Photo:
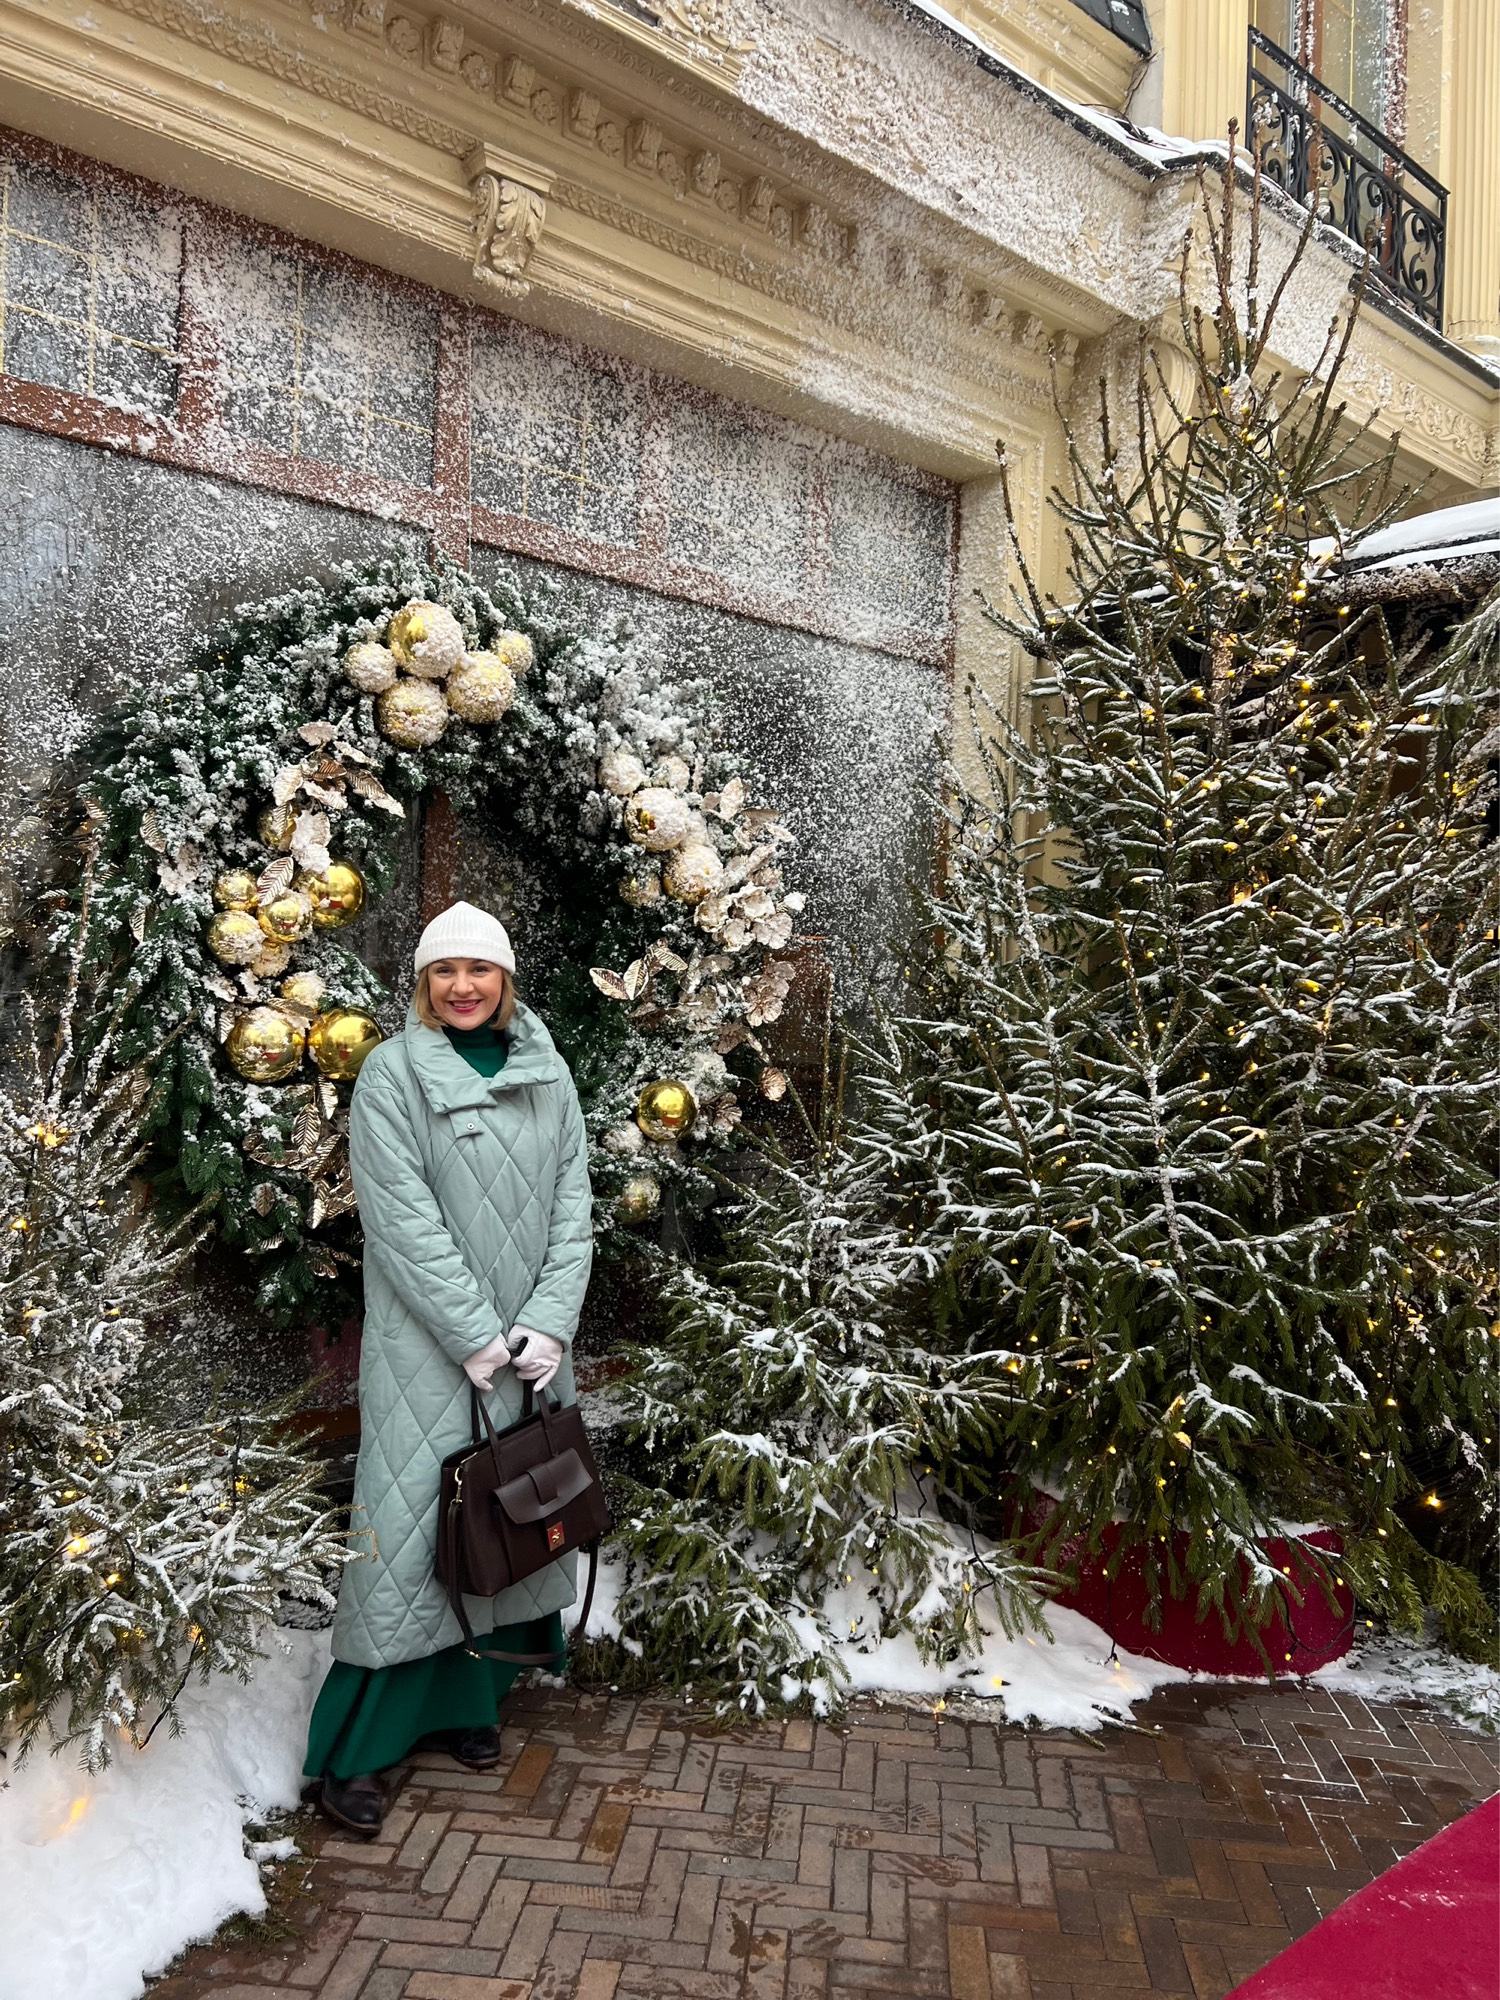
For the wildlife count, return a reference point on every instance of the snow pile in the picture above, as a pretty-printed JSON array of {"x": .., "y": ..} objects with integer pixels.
[
  {"x": 1065, "y": 1677},
  {"x": 1390, "y": 1668},
  {"x": 105, "y": 1878}
]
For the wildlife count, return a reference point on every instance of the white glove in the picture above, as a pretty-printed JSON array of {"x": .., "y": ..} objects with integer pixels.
[
  {"x": 480, "y": 1368},
  {"x": 541, "y": 1358}
]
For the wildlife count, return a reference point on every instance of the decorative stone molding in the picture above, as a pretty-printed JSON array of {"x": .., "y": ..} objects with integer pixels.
[
  {"x": 510, "y": 209},
  {"x": 445, "y": 45},
  {"x": 705, "y": 25},
  {"x": 367, "y": 17},
  {"x": 902, "y": 280},
  {"x": 583, "y": 117},
  {"x": 404, "y": 37}
]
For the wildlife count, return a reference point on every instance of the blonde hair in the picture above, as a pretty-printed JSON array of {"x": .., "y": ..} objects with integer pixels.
[{"x": 428, "y": 1015}]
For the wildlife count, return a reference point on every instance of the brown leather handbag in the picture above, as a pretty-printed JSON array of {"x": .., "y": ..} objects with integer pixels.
[{"x": 513, "y": 1501}]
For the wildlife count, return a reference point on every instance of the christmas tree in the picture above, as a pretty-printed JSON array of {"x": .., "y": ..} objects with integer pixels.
[
  {"x": 145, "y": 1532},
  {"x": 799, "y": 1439},
  {"x": 1167, "y": 1189},
  {"x": 1202, "y": 1061}
]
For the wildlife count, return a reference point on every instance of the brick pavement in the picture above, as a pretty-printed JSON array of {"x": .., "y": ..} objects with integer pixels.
[{"x": 624, "y": 1851}]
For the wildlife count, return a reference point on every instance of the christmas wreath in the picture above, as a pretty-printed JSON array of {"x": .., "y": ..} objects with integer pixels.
[{"x": 249, "y": 812}]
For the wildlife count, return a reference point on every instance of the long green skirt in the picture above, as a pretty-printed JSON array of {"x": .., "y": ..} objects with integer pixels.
[{"x": 366, "y": 1718}]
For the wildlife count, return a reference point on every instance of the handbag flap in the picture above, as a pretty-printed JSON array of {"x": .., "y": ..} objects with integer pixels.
[{"x": 546, "y": 1488}]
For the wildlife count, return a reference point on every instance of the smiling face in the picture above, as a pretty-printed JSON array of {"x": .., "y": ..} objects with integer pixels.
[{"x": 465, "y": 992}]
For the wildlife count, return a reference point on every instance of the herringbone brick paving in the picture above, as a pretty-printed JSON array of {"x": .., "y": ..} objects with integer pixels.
[{"x": 625, "y": 1851}]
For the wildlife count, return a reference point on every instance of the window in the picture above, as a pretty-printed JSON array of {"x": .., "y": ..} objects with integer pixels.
[
  {"x": 1326, "y": 103},
  {"x": 1127, "y": 18},
  {"x": 1355, "y": 47}
]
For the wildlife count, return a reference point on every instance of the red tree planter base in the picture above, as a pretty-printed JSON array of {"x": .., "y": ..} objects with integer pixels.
[{"x": 1303, "y": 1633}]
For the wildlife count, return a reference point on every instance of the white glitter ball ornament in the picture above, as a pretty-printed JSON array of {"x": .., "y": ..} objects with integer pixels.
[
  {"x": 412, "y": 714},
  {"x": 657, "y": 819},
  {"x": 426, "y": 639},
  {"x": 370, "y": 667},
  {"x": 621, "y": 772},
  {"x": 674, "y": 772},
  {"x": 692, "y": 872},
  {"x": 623, "y": 1140},
  {"x": 482, "y": 689}
]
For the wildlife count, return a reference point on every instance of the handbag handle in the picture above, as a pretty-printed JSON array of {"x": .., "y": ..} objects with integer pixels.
[{"x": 532, "y": 1405}]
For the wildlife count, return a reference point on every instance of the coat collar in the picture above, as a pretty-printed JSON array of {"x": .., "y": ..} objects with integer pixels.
[{"x": 448, "y": 1083}]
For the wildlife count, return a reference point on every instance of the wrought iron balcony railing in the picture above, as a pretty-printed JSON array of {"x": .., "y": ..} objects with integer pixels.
[{"x": 1325, "y": 154}]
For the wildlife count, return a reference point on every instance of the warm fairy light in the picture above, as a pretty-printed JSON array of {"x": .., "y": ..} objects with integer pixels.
[
  {"x": 79, "y": 1546},
  {"x": 1432, "y": 1501},
  {"x": 46, "y": 1133}
]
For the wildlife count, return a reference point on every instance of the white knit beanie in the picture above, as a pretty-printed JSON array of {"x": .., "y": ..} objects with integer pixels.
[{"x": 461, "y": 931}]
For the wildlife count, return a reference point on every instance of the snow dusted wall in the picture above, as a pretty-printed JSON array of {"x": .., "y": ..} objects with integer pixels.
[
  {"x": 844, "y": 735},
  {"x": 202, "y": 412}
]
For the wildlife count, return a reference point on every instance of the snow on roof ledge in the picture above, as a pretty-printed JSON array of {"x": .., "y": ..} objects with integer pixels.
[
  {"x": 1446, "y": 533},
  {"x": 1142, "y": 143}
]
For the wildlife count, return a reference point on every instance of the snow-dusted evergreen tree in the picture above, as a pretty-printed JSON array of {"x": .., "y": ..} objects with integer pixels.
[
  {"x": 1201, "y": 1069},
  {"x": 141, "y": 1538},
  {"x": 796, "y": 1429}
]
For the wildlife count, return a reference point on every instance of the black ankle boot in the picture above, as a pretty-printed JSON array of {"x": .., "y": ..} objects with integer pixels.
[
  {"x": 475, "y": 1749},
  {"x": 358, "y": 1803}
]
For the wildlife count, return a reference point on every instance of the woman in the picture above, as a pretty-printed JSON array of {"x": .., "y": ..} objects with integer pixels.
[{"x": 471, "y": 1167}]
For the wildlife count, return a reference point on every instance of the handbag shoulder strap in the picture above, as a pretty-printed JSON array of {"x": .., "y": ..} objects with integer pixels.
[{"x": 478, "y": 1652}]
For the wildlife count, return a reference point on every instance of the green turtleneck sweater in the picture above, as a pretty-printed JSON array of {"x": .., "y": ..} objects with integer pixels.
[{"x": 484, "y": 1049}]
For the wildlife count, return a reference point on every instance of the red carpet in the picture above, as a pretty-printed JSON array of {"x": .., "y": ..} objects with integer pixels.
[{"x": 1428, "y": 1929}]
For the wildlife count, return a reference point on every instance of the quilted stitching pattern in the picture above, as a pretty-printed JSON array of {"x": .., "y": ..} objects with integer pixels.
[{"x": 475, "y": 1200}]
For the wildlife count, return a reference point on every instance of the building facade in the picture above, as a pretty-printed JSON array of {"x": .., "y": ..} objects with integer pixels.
[{"x": 711, "y": 310}]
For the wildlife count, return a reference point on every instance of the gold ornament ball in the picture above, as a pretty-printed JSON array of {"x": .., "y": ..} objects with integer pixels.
[
  {"x": 235, "y": 889},
  {"x": 426, "y": 639},
  {"x": 271, "y": 960},
  {"x": 482, "y": 689},
  {"x": 515, "y": 651},
  {"x": 412, "y": 714},
  {"x": 666, "y": 1109},
  {"x": 287, "y": 917},
  {"x": 265, "y": 1045},
  {"x": 692, "y": 872},
  {"x": 340, "y": 1040},
  {"x": 235, "y": 938},
  {"x": 370, "y": 667},
  {"x": 641, "y": 891},
  {"x": 639, "y": 1198},
  {"x": 657, "y": 819},
  {"x": 277, "y": 824},
  {"x": 304, "y": 989},
  {"x": 337, "y": 897}
]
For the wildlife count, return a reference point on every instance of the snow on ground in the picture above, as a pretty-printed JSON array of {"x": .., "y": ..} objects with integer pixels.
[
  {"x": 1067, "y": 1676},
  {"x": 1390, "y": 1668},
  {"x": 107, "y": 1877}
]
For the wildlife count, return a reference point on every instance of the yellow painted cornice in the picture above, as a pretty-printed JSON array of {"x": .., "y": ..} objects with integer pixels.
[{"x": 777, "y": 257}]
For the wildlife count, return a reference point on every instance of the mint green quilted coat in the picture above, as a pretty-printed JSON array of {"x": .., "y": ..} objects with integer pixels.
[{"x": 474, "y": 1196}]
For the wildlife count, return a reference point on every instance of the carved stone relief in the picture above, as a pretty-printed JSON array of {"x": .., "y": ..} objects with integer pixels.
[{"x": 510, "y": 210}]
